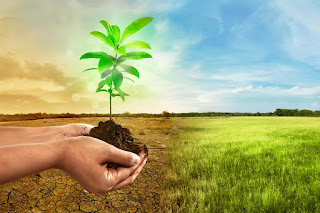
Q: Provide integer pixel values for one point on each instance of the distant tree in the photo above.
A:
(305, 112)
(286, 112)
(165, 114)
(126, 114)
(291, 112)
(316, 113)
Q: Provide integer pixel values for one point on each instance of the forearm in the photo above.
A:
(24, 135)
(19, 161)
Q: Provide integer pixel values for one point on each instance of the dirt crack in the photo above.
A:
(54, 191)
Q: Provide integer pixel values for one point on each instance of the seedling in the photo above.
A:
(108, 65)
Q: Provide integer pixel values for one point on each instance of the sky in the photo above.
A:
(221, 56)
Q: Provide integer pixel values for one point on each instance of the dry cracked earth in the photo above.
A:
(54, 191)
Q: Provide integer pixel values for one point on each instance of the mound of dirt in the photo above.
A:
(114, 134)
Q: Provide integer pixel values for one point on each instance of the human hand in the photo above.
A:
(73, 130)
(26, 135)
(85, 159)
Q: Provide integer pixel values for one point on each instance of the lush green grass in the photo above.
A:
(245, 164)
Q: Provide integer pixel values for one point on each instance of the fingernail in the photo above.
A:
(136, 159)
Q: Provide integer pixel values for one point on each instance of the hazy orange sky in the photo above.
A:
(42, 41)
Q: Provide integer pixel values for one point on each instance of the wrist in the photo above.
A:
(60, 149)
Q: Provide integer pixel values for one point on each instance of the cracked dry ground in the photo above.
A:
(54, 191)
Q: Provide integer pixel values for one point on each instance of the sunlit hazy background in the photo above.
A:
(243, 56)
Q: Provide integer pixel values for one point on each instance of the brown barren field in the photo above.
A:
(54, 191)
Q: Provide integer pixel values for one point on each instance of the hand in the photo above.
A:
(73, 130)
(86, 159)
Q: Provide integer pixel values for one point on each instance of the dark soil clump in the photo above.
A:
(114, 134)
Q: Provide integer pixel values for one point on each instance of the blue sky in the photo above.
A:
(235, 56)
(251, 55)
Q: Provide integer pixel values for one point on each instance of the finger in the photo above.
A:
(118, 156)
(121, 173)
(85, 128)
(132, 177)
(76, 129)
(89, 126)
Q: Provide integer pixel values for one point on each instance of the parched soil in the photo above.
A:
(54, 191)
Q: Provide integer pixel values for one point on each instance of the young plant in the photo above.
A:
(108, 64)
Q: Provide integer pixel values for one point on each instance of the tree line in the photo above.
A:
(166, 114)
(277, 112)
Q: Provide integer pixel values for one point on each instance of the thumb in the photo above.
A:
(118, 156)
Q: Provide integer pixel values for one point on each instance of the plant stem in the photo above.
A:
(110, 92)
(110, 104)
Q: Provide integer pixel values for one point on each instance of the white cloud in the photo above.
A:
(242, 77)
(159, 6)
(301, 20)
(214, 96)
(252, 99)
(298, 91)
(260, 91)
(196, 71)
(162, 26)
(258, 73)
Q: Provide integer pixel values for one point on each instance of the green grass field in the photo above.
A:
(245, 164)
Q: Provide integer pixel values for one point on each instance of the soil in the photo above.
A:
(55, 191)
(114, 134)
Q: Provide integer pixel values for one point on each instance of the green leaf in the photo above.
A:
(108, 80)
(102, 90)
(119, 62)
(101, 84)
(114, 95)
(94, 55)
(134, 27)
(135, 56)
(105, 73)
(130, 69)
(113, 40)
(116, 33)
(110, 31)
(121, 50)
(89, 69)
(104, 64)
(105, 39)
(107, 26)
(117, 78)
(137, 45)
(121, 93)
(129, 79)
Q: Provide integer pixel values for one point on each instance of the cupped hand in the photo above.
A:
(85, 159)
